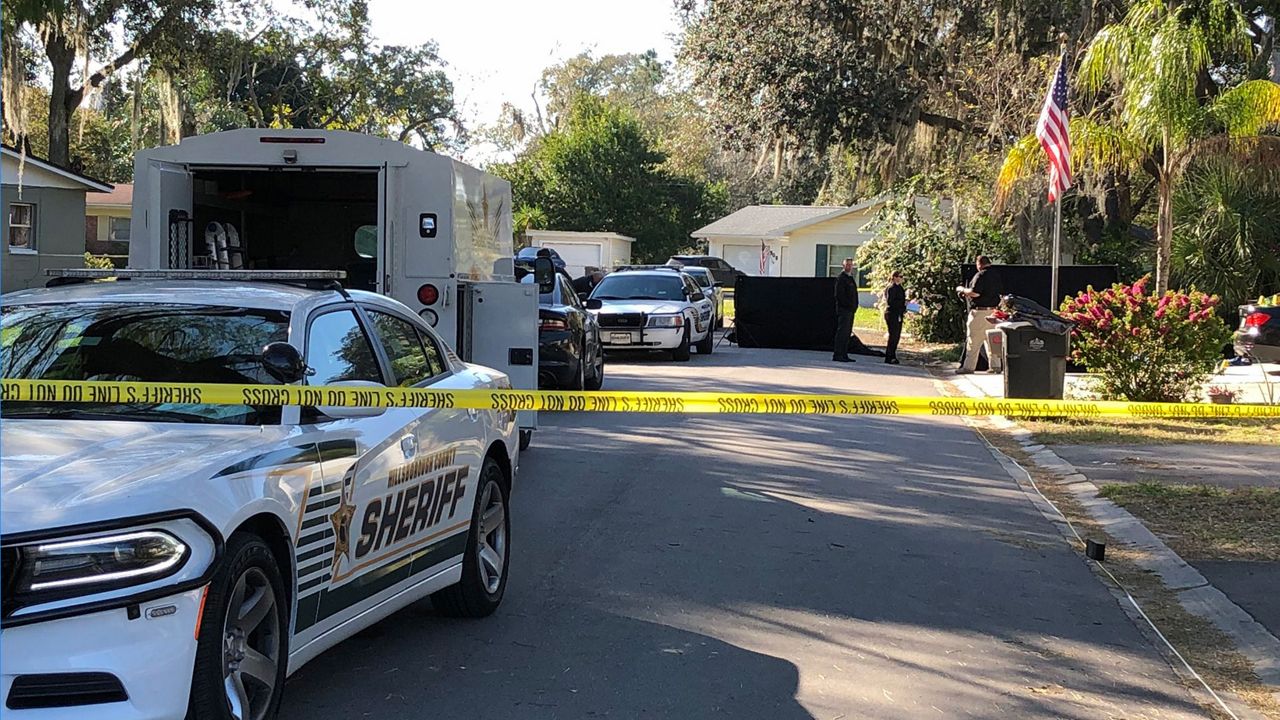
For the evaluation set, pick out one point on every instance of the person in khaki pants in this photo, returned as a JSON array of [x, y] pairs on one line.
[[983, 295]]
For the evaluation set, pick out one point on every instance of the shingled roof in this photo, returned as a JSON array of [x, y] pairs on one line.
[[762, 221]]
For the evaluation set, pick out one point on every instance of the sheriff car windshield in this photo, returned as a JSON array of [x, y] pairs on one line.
[[640, 286], [140, 343]]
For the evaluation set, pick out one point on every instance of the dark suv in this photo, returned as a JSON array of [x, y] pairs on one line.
[[724, 273]]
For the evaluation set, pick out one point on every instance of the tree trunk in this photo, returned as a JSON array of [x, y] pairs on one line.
[[61, 56], [135, 116], [1164, 233]]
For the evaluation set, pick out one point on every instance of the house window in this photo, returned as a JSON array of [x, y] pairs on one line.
[[22, 226], [119, 231], [835, 258]]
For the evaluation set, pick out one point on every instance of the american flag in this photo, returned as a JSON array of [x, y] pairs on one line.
[[765, 255], [1051, 130]]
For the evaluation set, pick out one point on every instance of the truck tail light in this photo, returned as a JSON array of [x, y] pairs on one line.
[[428, 294], [1257, 319]]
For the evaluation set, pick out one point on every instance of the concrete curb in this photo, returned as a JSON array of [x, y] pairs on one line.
[[1193, 591]]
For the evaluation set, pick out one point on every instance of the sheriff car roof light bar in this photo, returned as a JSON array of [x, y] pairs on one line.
[[244, 275]]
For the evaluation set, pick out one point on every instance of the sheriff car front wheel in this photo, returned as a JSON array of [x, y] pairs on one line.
[[242, 650], [484, 567]]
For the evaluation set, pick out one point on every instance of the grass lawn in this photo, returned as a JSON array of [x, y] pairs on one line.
[[865, 318], [1143, 431], [1209, 523], [869, 319]]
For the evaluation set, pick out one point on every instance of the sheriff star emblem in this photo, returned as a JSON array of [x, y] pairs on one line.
[[341, 520]]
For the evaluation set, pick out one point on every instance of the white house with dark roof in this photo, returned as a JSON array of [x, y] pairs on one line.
[[796, 240]]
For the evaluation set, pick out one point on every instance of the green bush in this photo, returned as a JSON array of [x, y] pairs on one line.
[[100, 262], [929, 250], [1146, 348]]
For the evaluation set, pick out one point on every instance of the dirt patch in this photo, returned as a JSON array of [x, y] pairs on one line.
[[1141, 431]]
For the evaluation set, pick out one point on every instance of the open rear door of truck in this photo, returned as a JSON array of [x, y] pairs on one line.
[[164, 240], [502, 320]]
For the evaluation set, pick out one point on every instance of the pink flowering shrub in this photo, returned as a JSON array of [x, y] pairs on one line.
[[1146, 348]]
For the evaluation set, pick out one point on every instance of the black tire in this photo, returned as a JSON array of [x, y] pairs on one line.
[[526, 437], [471, 597], [707, 344], [596, 380], [246, 558], [681, 353]]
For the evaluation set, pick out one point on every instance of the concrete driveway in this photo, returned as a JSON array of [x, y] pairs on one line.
[[763, 567]]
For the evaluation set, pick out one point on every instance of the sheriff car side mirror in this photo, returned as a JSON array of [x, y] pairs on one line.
[[593, 304], [696, 296], [283, 362], [544, 274]]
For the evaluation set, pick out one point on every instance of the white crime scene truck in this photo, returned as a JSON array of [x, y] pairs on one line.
[[427, 230]]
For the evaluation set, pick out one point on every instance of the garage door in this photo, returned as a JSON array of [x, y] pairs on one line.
[[577, 256], [743, 257]]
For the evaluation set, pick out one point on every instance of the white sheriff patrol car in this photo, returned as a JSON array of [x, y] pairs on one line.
[[658, 309], [164, 559]]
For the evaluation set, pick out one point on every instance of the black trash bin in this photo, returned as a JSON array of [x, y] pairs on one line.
[[1035, 361]]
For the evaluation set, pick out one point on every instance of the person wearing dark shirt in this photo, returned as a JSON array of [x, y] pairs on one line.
[[588, 282], [983, 295], [895, 309], [846, 304]]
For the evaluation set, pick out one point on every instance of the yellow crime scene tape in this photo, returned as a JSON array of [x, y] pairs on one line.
[[68, 391]]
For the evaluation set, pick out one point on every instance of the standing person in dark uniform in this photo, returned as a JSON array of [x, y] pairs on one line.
[[895, 309], [983, 295], [846, 304], [588, 282]]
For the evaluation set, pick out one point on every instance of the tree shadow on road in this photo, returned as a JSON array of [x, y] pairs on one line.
[[419, 665]]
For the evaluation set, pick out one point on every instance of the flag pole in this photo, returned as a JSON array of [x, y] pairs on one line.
[[1054, 300]]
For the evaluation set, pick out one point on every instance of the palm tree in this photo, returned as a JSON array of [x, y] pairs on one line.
[[1163, 67], [1228, 232], [526, 218]]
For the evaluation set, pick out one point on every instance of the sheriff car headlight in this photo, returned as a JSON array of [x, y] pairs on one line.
[[666, 321], [49, 574], [98, 563]]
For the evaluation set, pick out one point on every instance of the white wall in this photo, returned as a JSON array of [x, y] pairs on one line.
[[620, 253]]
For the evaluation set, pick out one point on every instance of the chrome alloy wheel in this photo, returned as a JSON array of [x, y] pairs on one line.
[[491, 546], [251, 646]]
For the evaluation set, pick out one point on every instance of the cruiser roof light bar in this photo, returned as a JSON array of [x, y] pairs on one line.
[[242, 275]]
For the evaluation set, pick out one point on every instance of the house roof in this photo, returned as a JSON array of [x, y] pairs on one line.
[[778, 220], [120, 196], [89, 183], [575, 235]]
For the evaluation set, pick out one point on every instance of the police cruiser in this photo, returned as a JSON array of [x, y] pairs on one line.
[[653, 309], [164, 558]]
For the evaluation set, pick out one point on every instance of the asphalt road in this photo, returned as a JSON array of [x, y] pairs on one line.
[[763, 567]]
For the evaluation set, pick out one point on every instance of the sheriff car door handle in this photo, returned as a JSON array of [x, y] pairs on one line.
[[409, 446], [473, 413]]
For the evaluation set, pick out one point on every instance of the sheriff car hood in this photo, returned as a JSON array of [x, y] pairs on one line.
[[63, 472], [649, 307]]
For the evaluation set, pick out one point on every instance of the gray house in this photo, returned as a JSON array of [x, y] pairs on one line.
[[43, 219]]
